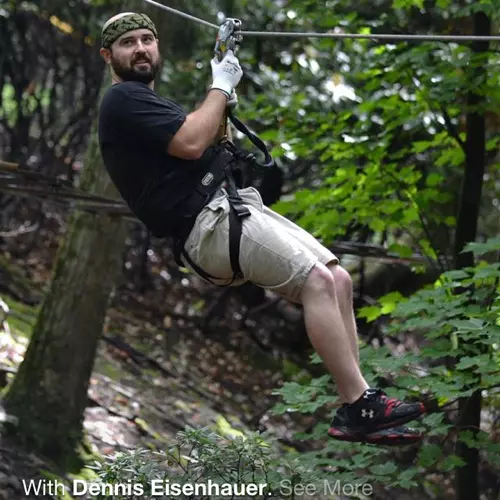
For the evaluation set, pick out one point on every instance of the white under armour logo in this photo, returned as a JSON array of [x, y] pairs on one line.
[[367, 413]]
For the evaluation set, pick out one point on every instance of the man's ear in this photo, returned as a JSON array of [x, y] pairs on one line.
[[105, 54]]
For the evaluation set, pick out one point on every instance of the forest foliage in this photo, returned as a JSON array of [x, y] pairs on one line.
[[372, 140]]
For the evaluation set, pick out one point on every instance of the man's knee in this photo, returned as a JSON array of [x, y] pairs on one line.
[[320, 280], [343, 280]]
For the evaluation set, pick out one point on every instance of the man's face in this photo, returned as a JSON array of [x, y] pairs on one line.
[[134, 56]]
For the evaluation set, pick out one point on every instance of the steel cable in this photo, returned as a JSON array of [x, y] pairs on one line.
[[337, 36]]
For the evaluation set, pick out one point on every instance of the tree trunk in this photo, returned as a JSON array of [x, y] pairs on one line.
[[467, 477], [49, 393]]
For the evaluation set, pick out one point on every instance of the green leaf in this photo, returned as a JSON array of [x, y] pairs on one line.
[[457, 274], [429, 455], [390, 301], [421, 146], [467, 362], [405, 479], [488, 272], [383, 469], [452, 462], [361, 460], [433, 419], [493, 447], [479, 440], [487, 366], [491, 335], [401, 250], [451, 156], [433, 179], [491, 245], [377, 225], [391, 298], [467, 325], [371, 313]]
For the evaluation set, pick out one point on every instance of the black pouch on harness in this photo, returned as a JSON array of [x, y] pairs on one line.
[[219, 171]]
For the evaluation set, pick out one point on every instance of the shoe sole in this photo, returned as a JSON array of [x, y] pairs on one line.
[[388, 437], [394, 437]]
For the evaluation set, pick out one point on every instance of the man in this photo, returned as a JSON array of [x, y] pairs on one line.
[[159, 157]]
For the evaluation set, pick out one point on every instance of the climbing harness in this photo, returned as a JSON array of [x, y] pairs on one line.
[[228, 158]]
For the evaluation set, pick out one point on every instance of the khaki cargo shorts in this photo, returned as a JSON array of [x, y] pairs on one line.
[[275, 253]]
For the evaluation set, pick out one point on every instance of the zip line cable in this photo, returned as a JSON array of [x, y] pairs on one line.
[[436, 38], [182, 14], [298, 34]]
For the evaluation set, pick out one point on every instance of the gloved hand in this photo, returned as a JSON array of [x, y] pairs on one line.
[[227, 73], [233, 100]]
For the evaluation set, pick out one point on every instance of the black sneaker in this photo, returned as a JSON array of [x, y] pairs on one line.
[[371, 413]]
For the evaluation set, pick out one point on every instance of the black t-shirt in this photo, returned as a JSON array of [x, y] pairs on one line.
[[135, 127]]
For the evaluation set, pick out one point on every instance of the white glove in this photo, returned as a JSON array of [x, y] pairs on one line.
[[233, 100], [227, 73]]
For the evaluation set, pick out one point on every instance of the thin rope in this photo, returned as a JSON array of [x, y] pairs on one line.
[[182, 14], [297, 34], [447, 38]]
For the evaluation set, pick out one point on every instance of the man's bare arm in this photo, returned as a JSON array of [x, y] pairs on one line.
[[200, 128]]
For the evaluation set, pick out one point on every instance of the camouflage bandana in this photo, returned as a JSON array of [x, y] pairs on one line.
[[126, 23]]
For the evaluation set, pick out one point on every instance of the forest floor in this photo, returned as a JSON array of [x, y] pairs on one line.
[[147, 386], [158, 371]]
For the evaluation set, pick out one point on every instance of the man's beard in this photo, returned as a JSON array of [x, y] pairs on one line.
[[133, 73]]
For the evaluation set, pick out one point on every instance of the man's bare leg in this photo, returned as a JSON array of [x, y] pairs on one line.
[[328, 334], [370, 415], [343, 289]]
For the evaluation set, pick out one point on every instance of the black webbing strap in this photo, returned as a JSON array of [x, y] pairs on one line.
[[257, 141], [237, 211], [235, 231]]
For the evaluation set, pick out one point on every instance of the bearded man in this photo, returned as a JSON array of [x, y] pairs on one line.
[[174, 177]]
